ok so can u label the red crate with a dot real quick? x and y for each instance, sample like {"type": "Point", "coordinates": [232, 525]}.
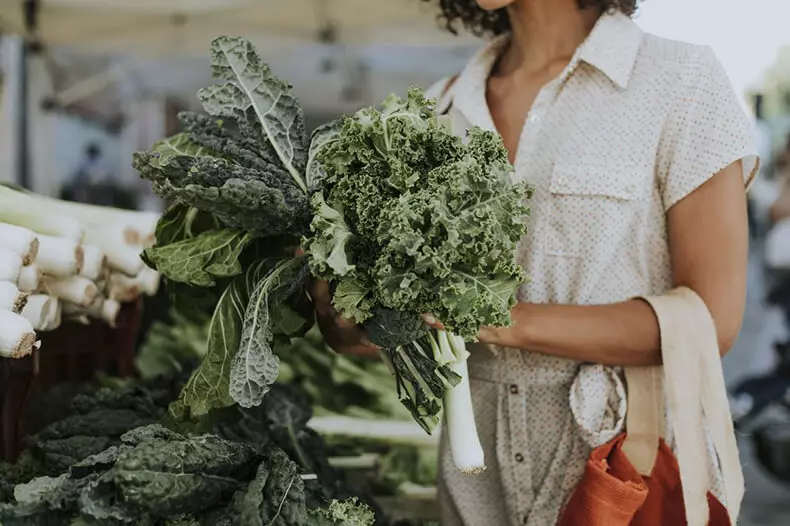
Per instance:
{"type": "Point", "coordinates": [73, 353]}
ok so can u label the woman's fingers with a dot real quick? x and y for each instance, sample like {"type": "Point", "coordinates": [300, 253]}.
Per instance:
{"type": "Point", "coordinates": [431, 320]}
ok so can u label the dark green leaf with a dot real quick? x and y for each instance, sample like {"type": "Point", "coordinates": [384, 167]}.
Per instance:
{"type": "Point", "coordinates": [200, 260]}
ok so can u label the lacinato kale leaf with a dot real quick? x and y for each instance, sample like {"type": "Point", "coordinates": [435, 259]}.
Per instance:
{"type": "Point", "coordinates": [158, 477]}
{"type": "Point", "coordinates": [255, 366]}
{"type": "Point", "coordinates": [209, 386]}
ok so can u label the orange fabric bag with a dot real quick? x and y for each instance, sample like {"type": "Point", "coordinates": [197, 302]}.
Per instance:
{"type": "Point", "coordinates": [636, 480]}
{"type": "Point", "coordinates": [613, 493]}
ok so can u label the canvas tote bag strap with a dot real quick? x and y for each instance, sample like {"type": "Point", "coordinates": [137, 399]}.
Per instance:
{"type": "Point", "coordinates": [644, 420]}
{"type": "Point", "coordinates": [715, 405]}
{"type": "Point", "coordinates": [689, 347]}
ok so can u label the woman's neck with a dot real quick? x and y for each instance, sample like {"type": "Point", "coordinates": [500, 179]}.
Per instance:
{"type": "Point", "coordinates": [544, 32]}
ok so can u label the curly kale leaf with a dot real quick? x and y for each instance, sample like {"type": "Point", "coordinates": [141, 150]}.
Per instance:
{"type": "Point", "coordinates": [429, 224]}
{"type": "Point", "coordinates": [255, 366]}
{"type": "Point", "coordinates": [349, 512]}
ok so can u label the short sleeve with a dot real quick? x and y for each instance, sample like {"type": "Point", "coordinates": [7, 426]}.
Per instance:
{"type": "Point", "coordinates": [706, 130]}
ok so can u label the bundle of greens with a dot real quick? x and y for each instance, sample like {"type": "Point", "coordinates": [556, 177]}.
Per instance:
{"type": "Point", "coordinates": [398, 214]}
{"type": "Point", "coordinates": [158, 477]}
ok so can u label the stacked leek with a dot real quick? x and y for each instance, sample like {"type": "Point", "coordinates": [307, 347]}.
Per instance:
{"type": "Point", "coordinates": [62, 260]}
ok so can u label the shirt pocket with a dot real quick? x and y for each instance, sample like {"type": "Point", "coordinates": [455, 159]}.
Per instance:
{"type": "Point", "coordinates": [591, 208]}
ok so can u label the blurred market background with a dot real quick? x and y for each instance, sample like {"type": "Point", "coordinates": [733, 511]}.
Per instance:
{"type": "Point", "coordinates": [85, 83]}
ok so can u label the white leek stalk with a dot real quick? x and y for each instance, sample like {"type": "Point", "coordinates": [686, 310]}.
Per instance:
{"type": "Point", "coordinates": [75, 289]}
{"type": "Point", "coordinates": [29, 278]}
{"type": "Point", "coordinates": [17, 336]}
{"type": "Point", "coordinates": [142, 222]}
{"type": "Point", "coordinates": [38, 311]}
{"type": "Point", "coordinates": [10, 265]}
{"type": "Point", "coordinates": [21, 240]}
{"type": "Point", "coordinates": [112, 235]}
{"type": "Point", "coordinates": [148, 279]}
{"type": "Point", "coordinates": [20, 213]}
{"type": "Point", "coordinates": [94, 261]}
{"type": "Point", "coordinates": [125, 259]}
{"type": "Point", "coordinates": [10, 297]}
{"type": "Point", "coordinates": [459, 415]}
{"type": "Point", "coordinates": [59, 256]}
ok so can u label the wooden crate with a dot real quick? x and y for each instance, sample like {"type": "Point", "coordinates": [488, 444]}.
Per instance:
{"type": "Point", "coordinates": [73, 353]}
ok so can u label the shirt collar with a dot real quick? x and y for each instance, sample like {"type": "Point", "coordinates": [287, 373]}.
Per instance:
{"type": "Point", "coordinates": [611, 47]}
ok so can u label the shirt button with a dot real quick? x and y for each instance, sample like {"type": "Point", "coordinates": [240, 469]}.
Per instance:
{"type": "Point", "coordinates": [513, 389]}
{"type": "Point", "coordinates": [534, 118]}
{"type": "Point", "coordinates": [519, 457]}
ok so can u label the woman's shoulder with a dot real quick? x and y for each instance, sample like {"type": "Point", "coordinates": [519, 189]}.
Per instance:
{"type": "Point", "coordinates": [682, 63]}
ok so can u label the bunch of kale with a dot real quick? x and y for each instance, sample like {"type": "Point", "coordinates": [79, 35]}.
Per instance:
{"type": "Point", "coordinates": [398, 214]}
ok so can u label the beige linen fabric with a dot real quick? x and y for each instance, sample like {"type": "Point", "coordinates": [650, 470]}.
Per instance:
{"type": "Point", "coordinates": [633, 125]}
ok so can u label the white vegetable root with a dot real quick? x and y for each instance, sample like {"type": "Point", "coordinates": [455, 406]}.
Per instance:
{"type": "Point", "coordinates": [29, 278]}
{"type": "Point", "coordinates": [21, 240]}
{"type": "Point", "coordinates": [75, 289]}
{"type": "Point", "coordinates": [39, 311]}
{"type": "Point", "coordinates": [10, 297]}
{"type": "Point", "coordinates": [17, 336]}
{"type": "Point", "coordinates": [59, 256]}
{"type": "Point", "coordinates": [94, 261]}
{"type": "Point", "coordinates": [125, 258]}
{"type": "Point", "coordinates": [10, 265]}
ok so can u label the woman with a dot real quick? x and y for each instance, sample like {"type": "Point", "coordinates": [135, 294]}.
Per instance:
{"type": "Point", "coordinates": [639, 153]}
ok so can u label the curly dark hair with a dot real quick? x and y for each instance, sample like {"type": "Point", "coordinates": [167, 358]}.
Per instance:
{"type": "Point", "coordinates": [481, 22]}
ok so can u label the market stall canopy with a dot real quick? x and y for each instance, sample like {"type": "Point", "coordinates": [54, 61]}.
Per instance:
{"type": "Point", "coordinates": [185, 27]}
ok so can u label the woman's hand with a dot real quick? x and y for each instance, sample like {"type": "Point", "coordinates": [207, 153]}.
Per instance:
{"type": "Point", "coordinates": [341, 334]}
{"type": "Point", "coordinates": [431, 321]}
{"type": "Point", "coordinates": [492, 335]}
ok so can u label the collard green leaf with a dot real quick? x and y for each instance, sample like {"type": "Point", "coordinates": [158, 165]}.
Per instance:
{"type": "Point", "coordinates": [254, 96]}
{"type": "Point", "coordinates": [201, 260]}
{"type": "Point", "coordinates": [209, 386]}
{"type": "Point", "coordinates": [255, 366]}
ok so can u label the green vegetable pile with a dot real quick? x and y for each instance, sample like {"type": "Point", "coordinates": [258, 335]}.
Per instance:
{"type": "Point", "coordinates": [98, 424]}
{"type": "Point", "coordinates": [158, 477]}
{"type": "Point", "coordinates": [399, 215]}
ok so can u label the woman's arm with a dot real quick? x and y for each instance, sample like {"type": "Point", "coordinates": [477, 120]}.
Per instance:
{"type": "Point", "coordinates": [708, 242]}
